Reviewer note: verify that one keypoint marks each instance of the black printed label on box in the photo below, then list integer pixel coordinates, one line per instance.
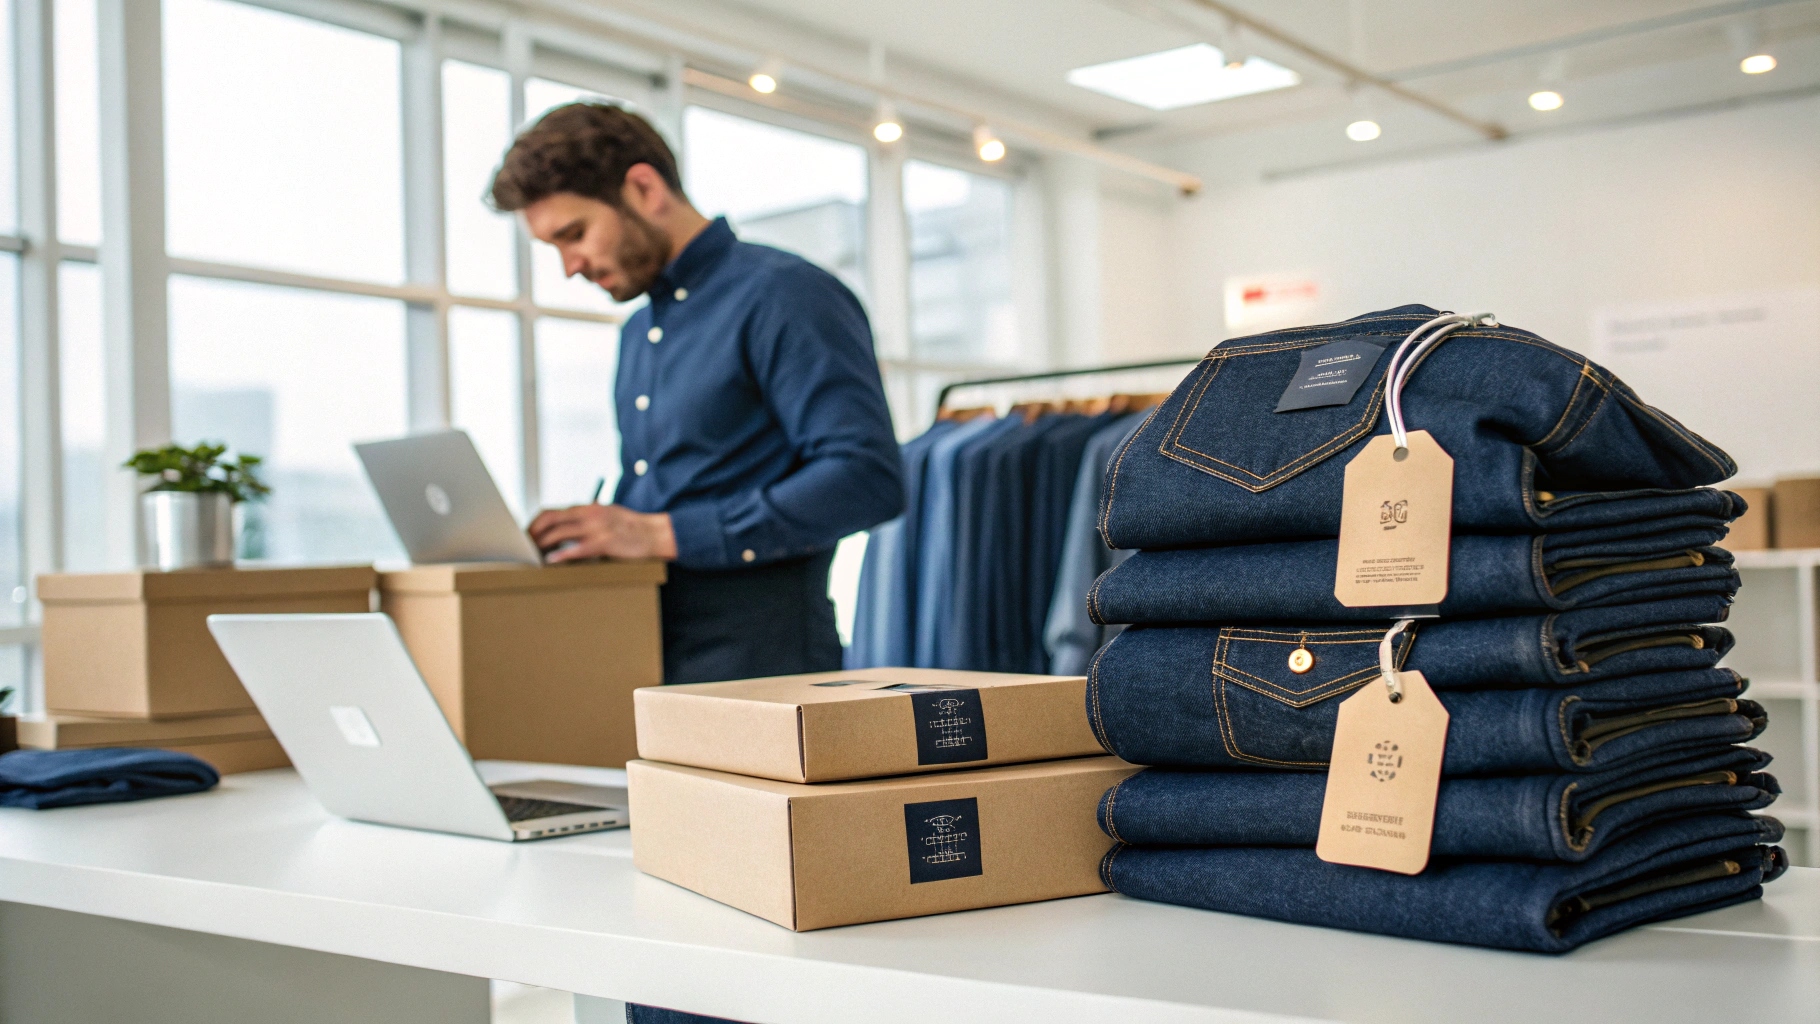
(1330, 375)
(943, 837)
(950, 726)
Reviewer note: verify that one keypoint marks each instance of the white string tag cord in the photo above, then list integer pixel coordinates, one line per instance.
(1404, 359)
(1387, 660)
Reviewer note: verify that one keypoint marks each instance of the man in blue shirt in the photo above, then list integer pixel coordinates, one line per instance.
(753, 428)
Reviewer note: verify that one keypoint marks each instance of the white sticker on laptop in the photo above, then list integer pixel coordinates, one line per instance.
(355, 727)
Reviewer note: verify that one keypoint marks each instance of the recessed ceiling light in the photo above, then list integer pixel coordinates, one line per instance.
(1547, 99)
(1182, 77)
(1363, 131)
(1757, 64)
(761, 82)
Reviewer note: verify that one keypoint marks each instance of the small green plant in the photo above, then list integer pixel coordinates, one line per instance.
(201, 469)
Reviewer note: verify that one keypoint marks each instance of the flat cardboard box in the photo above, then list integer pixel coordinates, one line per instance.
(817, 856)
(534, 663)
(137, 644)
(867, 723)
(232, 743)
(1797, 512)
(1752, 531)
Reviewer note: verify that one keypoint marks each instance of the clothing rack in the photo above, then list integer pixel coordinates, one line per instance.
(941, 400)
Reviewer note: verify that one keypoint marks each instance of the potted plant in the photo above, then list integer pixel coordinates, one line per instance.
(9, 724)
(189, 509)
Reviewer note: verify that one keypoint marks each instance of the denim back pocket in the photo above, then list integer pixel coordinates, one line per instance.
(1226, 425)
(1272, 715)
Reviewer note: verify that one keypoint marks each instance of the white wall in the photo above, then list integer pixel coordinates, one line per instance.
(1544, 233)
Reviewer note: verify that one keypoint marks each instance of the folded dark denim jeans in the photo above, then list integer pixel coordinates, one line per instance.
(1541, 438)
(1503, 652)
(1180, 698)
(1686, 866)
(1555, 817)
(1486, 575)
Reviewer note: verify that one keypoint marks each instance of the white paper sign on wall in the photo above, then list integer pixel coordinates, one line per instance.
(1740, 370)
(1269, 301)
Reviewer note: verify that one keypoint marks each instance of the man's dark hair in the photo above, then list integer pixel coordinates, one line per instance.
(584, 148)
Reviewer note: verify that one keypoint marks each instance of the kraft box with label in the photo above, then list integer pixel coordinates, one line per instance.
(817, 856)
(862, 724)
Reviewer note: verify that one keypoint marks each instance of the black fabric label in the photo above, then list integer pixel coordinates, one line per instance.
(1330, 375)
(950, 726)
(943, 838)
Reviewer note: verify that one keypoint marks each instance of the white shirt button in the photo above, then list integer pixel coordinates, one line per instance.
(643, 402)
(656, 334)
(748, 555)
(681, 294)
(640, 466)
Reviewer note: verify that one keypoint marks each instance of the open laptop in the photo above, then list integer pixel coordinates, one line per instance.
(345, 700)
(442, 502)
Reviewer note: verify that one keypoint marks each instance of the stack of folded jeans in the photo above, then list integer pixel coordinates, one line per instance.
(1593, 778)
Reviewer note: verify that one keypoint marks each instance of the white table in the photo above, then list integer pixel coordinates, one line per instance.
(417, 918)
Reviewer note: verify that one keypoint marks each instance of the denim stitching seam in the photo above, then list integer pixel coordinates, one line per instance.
(1228, 738)
(1112, 477)
(1112, 799)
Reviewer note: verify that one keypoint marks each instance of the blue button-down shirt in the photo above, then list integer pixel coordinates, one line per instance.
(750, 407)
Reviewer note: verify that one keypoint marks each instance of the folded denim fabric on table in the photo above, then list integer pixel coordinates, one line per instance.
(1542, 439)
(42, 779)
(1486, 575)
(1508, 652)
(1560, 817)
(1153, 700)
(1683, 867)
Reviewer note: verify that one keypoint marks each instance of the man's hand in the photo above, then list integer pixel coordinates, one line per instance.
(603, 531)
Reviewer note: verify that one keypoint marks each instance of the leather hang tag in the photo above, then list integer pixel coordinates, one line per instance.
(1383, 778)
(1396, 516)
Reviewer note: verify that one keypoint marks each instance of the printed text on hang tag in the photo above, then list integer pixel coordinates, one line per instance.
(1396, 517)
(1383, 778)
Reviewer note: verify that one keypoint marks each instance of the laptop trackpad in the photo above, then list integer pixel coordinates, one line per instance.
(565, 792)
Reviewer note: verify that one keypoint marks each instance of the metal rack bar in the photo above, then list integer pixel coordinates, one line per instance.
(941, 400)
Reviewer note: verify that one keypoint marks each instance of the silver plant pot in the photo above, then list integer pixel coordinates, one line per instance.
(186, 529)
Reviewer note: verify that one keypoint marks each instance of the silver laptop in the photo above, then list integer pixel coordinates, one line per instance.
(442, 502)
(345, 700)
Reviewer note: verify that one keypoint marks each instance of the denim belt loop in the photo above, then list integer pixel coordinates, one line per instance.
(1386, 663)
(1401, 365)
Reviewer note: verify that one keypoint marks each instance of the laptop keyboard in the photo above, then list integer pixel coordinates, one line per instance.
(520, 808)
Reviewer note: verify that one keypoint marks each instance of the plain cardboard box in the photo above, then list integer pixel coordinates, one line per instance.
(1797, 512)
(867, 723)
(1752, 531)
(834, 853)
(534, 663)
(232, 743)
(137, 644)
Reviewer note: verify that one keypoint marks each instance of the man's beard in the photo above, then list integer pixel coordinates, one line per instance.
(643, 253)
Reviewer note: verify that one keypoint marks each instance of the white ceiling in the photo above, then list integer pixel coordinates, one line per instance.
(1468, 53)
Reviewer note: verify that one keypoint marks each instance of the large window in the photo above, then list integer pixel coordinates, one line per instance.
(282, 142)
(476, 129)
(298, 377)
(790, 189)
(961, 307)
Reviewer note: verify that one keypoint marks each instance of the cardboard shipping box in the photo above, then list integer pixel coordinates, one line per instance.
(232, 743)
(1796, 517)
(1754, 530)
(137, 644)
(816, 856)
(866, 723)
(534, 663)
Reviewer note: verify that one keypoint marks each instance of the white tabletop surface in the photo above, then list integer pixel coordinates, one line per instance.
(259, 859)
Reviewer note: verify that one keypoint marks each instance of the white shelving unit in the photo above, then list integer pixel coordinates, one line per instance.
(1778, 649)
